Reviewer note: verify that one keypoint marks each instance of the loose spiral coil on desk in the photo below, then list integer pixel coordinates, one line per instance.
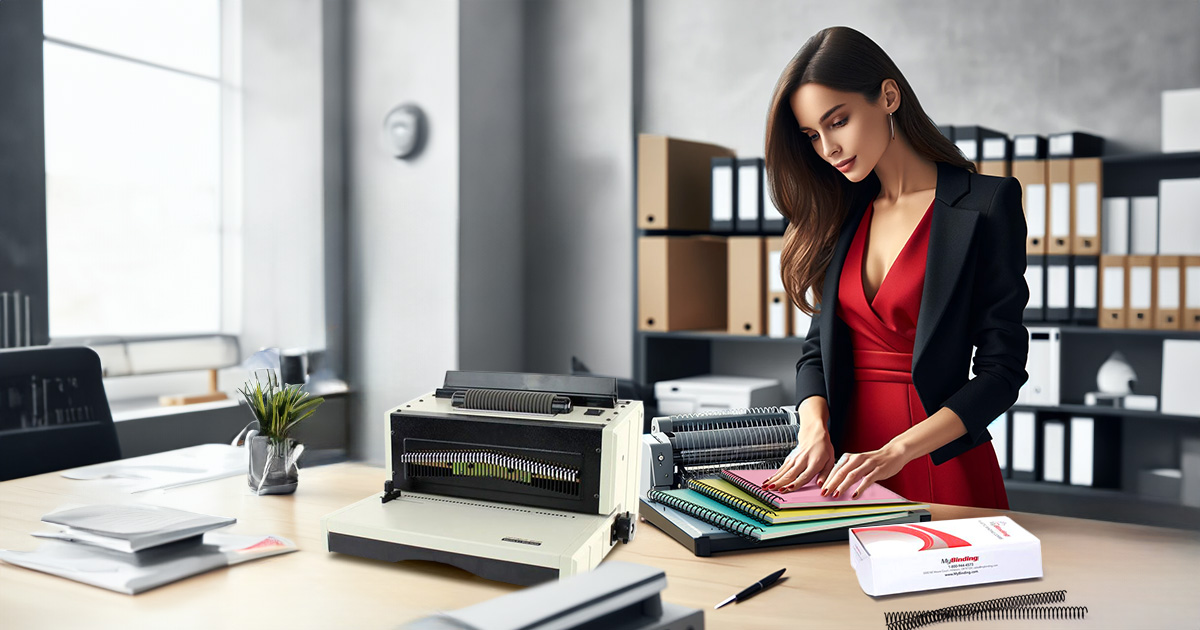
(1014, 606)
(709, 516)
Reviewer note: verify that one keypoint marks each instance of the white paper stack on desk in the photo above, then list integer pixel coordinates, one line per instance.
(134, 548)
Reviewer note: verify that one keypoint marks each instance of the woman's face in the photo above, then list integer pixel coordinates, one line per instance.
(842, 127)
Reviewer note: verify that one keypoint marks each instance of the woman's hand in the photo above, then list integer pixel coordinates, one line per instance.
(812, 457)
(868, 467)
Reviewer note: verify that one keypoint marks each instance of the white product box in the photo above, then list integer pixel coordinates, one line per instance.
(1180, 126)
(943, 554)
(711, 392)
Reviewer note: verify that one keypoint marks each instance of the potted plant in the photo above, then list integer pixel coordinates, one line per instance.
(273, 453)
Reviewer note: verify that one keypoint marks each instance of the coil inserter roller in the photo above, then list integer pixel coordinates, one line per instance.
(520, 478)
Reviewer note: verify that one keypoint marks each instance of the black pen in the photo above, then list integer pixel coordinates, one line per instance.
(754, 588)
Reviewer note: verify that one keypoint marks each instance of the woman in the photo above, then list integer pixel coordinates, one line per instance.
(913, 258)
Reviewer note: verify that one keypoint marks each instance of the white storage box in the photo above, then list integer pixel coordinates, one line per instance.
(1180, 125)
(942, 554)
(711, 392)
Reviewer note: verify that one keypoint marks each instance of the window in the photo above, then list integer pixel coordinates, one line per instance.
(136, 237)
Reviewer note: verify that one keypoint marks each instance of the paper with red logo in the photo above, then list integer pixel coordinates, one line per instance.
(942, 554)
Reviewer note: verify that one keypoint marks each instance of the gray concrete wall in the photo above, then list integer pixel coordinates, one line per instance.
(491, 229)
(402, 216)
(1021, 66)
(579, 185)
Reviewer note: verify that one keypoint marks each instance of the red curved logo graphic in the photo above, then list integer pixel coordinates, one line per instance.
(930, 538)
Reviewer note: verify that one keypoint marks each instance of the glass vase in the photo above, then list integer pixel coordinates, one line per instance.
(273, 468)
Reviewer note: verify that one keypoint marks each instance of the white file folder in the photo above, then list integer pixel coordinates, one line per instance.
(1054, 439)
(1034, 275)
(777, 316)
(1084, 306)
(1035, 211)
(1115, 235)
(1181, 364)
(1024, 435)
(773, 219)
(1083, 448)
(1112, 292)
(999, 430)
(1058, 290)
(1042, 366)
(1087, 226)
(1168, 283)
(749, 191)
(1143, 226)
(1179, 217)
(1060, 213)
(723, 191)
(1141, 293)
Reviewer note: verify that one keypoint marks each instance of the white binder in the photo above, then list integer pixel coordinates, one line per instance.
(722, 194)
(1083, 448)
(749, 208)
(1060, 211)
(1042, 366)
(1033, 278)
(1181, 364)
(1179, 217)
(1058, 294)
(1115, 235)
(1054, 443)
(999, 430)
(777, 317)
(1024, 431)
(1143, 226)
(1085, 288)
(1035, 211)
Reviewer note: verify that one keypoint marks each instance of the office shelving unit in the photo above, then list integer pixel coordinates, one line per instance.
(1151, 438)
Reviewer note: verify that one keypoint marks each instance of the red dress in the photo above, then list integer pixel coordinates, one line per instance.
(885, 402)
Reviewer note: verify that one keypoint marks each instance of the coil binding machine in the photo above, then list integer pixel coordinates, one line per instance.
(701, 445)
(520, 478)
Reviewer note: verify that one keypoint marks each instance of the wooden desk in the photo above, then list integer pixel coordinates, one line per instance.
(1128, 576)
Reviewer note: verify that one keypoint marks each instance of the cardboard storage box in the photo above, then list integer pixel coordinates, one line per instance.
(681, 283)
(674, 187)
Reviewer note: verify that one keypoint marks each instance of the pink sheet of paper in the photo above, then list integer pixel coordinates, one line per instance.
(808, 495)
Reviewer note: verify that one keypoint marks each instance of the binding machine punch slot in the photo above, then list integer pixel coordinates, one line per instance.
(520, 478)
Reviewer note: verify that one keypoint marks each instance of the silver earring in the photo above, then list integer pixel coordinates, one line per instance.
(892, 122)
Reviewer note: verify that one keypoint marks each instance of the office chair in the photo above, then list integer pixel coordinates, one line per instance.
(53, 411)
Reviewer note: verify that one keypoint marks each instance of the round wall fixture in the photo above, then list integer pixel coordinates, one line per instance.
(404, 129)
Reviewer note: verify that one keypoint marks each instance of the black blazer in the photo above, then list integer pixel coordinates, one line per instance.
(974, 295)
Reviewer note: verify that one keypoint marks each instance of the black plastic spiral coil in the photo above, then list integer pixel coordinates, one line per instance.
(751, 509)
(729, 418)
(708, 516)
(1012, 607)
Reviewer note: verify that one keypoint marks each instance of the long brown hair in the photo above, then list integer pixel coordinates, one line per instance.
(813, 195)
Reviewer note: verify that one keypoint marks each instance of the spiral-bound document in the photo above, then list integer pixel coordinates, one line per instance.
(808, 495)
(702, 507)
(742, 501)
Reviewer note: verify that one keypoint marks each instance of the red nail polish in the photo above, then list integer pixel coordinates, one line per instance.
(836, 493)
